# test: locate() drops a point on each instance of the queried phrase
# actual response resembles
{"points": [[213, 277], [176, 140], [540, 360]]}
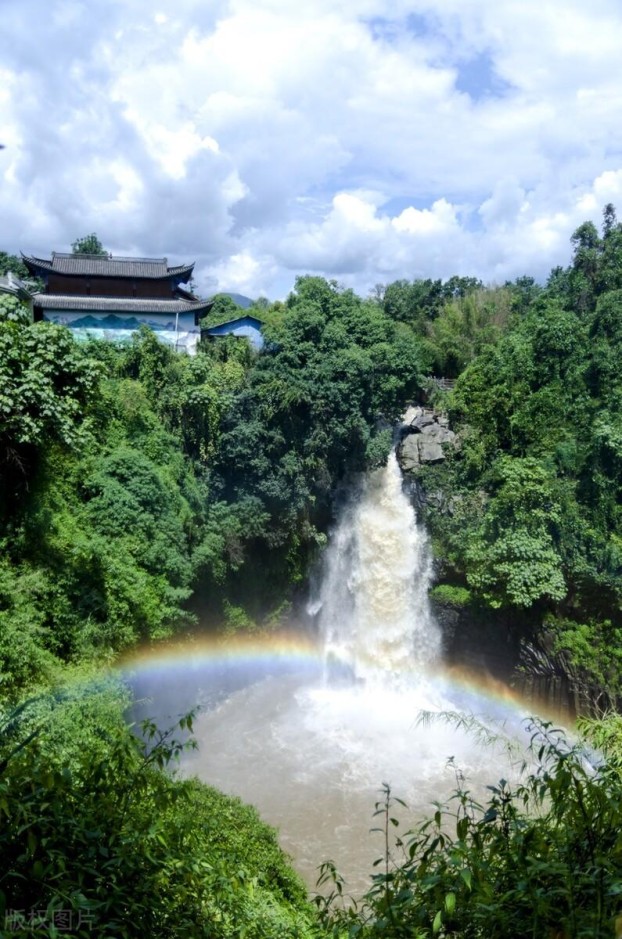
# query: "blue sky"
{"points": [[477, 78], [364, 140]]}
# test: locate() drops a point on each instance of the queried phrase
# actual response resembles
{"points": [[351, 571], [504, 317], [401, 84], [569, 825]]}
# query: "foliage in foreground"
{"points": [[95, 829], [542, 858], [96, 834]]}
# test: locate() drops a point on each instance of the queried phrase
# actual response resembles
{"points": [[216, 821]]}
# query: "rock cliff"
{"points": [[425, 437]]}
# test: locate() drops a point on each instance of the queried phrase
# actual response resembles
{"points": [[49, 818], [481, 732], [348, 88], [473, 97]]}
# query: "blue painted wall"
{"points": [[119, 327], [247, 326]]}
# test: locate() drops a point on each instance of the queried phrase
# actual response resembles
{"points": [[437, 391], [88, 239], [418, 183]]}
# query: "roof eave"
{"points": [[182, 273], [179, 274], [198, 307], [35, 265]]}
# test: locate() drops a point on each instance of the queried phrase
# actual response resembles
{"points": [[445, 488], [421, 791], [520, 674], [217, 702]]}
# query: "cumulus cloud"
{"points": [[264, 138]]}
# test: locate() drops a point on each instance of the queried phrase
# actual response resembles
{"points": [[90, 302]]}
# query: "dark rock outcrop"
{"points": [[424, 436]]}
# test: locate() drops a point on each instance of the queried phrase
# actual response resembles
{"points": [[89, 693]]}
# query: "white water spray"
{"points": [[374, 612]]}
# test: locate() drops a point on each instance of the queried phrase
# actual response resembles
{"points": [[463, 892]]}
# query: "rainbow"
{"points": [[200, 651], [203, 663]]}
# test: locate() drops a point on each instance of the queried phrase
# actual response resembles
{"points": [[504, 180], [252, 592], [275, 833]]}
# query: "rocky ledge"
{"points": [[425, 434]]}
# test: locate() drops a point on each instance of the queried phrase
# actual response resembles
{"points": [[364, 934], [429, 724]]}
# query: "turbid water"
{"points": [[308, 730]]}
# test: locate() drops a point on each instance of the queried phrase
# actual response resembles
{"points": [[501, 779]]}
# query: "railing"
{"points": [[445, 384]]}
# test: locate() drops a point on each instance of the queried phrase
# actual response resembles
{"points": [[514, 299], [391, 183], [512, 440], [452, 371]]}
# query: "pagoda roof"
{"points": [[107, 265], [46, 301]]}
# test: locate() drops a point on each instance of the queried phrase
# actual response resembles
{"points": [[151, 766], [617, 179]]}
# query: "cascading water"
{"points": [[374, 612], [310, 749]]}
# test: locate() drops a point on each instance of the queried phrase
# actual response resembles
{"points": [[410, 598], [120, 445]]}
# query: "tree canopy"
{"points": [[88, 244]]}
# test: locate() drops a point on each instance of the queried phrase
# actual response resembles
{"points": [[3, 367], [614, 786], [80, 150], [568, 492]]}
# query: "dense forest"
{"points": [[146, 493]]}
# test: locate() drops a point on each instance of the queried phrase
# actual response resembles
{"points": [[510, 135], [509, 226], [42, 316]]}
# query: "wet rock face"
{"points": [[424, 436]]}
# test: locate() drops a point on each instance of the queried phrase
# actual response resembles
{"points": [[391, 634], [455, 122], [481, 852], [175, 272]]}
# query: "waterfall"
{"points": [[375, 618], [312, 753]]}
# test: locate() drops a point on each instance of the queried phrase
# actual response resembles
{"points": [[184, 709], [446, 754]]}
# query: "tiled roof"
{"points": [[95, 265], [237, 320], [46, 301]]}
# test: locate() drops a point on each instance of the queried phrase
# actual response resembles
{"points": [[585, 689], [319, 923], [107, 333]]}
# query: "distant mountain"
{"points": [[239, 298]]}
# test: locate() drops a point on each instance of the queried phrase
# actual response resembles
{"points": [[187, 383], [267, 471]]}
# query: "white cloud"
{"points": [[266, 138], [438, 220], [240, 272]]}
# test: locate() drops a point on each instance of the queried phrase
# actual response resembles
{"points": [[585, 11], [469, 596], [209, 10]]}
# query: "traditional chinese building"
{"points": [[109, 297]]}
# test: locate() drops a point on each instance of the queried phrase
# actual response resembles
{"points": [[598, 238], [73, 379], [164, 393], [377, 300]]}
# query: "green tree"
{"points": [[46, 381], [223, 309], [466, 324], [10, 263], [13, 310], [512, 555], [89, 244]]}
